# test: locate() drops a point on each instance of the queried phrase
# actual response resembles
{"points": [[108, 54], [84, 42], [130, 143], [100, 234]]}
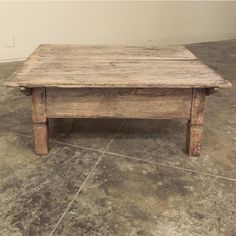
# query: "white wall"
{"points": [[138, 23]]}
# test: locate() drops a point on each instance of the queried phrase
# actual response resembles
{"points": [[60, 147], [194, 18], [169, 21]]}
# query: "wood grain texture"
{"points": [[195, 124], [109, 52], [114, 66], [40, 128], [41, 138], [193, 139], [118, 103], [198, 106], [38, 105]]}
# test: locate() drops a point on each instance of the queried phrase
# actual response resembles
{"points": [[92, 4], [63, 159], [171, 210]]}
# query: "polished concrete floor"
{"points": [[121, 177]]}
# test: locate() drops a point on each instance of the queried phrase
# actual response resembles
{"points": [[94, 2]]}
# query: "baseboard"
{"points": [[12, 60]]}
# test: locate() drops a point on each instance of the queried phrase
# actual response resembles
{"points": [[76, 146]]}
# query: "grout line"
{"points": [[19, 134], [85, 181], [78, 146], [76, 195], [171, 166], [151, 162], [135, 158], [59, 142]]}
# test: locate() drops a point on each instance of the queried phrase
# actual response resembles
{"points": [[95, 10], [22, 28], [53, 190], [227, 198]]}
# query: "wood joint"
{"points": [[26, 91], [39, 105], [194, 125], [210, 91]]}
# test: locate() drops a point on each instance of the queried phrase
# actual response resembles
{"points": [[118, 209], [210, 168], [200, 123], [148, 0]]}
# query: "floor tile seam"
{"points": [[152, 162], [79, 147], [47, 181], [171, 166], [121, 155], [85, 181], [75, 195], [19, 134]]}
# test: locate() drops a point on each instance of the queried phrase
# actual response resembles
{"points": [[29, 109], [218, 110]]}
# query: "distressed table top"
{"points": [[81, 66]]}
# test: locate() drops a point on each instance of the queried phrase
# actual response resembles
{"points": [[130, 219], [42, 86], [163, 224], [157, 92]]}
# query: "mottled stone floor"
{"points": [[121, 177]]}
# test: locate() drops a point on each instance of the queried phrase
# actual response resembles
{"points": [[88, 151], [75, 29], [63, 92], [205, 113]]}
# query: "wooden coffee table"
{"points": [[75, 81]]}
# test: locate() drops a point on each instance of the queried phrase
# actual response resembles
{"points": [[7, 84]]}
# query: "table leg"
{"points": [[41, 138], [195, 124], [40, 124]]}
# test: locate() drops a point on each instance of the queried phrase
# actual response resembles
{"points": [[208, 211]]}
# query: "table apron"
{"points": [[118, 103]]}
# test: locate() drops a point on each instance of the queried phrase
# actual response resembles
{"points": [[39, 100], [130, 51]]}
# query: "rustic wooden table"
{"points": [[117, 82]]}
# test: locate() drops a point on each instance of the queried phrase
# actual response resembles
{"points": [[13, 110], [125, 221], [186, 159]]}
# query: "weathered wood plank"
{"points": [[108, 52], [118, 103], [90, 67], [109, 67], [105, 74]]}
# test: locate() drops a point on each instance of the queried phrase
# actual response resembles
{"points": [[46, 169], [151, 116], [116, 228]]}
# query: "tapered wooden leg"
{"points": [[40, 124], [195, 124]]}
